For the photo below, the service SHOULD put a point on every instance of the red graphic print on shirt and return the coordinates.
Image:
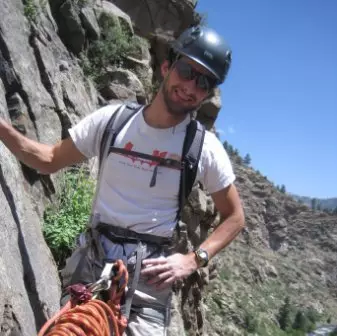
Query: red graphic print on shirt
(157, 153)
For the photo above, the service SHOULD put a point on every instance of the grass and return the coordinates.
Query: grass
(67, 217)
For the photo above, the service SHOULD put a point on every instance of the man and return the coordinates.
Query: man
(138, 197)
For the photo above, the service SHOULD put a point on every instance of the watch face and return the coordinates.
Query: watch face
(202, 256)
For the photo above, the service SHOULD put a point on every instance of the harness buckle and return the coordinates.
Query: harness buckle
(104, 282)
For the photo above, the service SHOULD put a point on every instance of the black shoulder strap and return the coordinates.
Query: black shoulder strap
(117, 121)
(192, 148)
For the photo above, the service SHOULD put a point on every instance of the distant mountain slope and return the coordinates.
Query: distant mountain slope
(281, 270)
(325, 203)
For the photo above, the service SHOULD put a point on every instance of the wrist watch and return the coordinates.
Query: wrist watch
(202, 257)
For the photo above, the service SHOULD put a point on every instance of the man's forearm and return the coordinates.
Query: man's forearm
(224, 234)
(30, 152)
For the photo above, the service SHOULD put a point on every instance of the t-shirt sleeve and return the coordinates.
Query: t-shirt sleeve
(217, 170)
(87, 134)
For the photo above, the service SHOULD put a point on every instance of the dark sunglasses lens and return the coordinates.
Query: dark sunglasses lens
(187, 72)
(206, 83)
(203, 82)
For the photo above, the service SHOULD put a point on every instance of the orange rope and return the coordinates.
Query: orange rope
(93, 317)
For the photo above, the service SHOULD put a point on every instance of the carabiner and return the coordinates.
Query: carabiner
(104, 282)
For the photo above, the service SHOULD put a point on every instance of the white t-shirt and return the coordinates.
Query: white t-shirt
(125, 197)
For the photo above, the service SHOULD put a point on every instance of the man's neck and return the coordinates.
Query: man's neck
(157, 116)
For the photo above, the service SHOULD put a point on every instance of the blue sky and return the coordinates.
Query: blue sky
(279, 103)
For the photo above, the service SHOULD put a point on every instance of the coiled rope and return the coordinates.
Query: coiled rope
(85, 316)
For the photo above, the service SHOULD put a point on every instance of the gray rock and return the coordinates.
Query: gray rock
(141, 52)
(122, 84)
(16, 106)
(177, 323)
(117, 91)
(163, 15)
(208, 111)
(41, 97)
(144, 72)
(90, 23)
(17, 112)
(70, 26)
(116, 12)
(63, 66)
(29, 285)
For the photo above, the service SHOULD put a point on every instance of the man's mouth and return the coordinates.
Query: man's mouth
(182, 96)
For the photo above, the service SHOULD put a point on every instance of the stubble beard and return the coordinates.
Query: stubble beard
(174, 108)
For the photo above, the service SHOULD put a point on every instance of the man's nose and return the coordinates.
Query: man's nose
(190, 86)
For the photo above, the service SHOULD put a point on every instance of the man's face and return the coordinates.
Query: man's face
(183, 88)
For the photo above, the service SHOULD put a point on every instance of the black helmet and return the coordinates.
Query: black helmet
(206, 47)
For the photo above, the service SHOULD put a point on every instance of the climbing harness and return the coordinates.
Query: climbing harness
(86, 314)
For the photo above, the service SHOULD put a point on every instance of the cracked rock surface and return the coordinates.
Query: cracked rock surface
(42, 91)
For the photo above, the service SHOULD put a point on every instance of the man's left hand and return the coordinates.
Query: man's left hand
(163, 272)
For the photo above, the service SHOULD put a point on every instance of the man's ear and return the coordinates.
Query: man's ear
(165, 68)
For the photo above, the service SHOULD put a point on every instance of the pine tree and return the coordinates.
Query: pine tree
(284, 315)
(301, 321)
(230, 149)
(247, 160)
(283, 189)
(313, 204)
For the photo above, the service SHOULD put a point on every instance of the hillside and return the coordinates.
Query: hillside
(288, 251)
(321, 203)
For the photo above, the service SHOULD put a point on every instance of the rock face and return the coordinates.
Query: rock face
(113, 10)
(286, 250)
(123, 84)
(42, 92)
(152, 16)
(208, 111)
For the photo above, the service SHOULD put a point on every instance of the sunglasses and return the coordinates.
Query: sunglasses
(187, 72)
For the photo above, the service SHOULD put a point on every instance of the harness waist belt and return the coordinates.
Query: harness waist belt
(116, 233)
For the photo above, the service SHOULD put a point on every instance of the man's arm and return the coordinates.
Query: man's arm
(164, 271)
(46, 159)
(228, 203)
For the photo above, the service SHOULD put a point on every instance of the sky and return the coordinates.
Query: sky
(279, 101)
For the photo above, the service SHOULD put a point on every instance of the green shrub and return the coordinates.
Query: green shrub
(115, 44)
(30, 10)
(301, 321)
(67, 217)
(251, 322)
